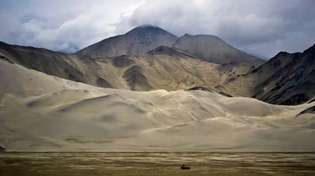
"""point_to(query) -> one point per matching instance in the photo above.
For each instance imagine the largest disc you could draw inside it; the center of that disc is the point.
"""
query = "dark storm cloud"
(259, 27)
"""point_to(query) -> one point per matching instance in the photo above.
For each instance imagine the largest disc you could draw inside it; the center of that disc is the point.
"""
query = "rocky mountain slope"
(214, 49)
(161, 68)
(284, 79)
(40, 112)
(187, 62)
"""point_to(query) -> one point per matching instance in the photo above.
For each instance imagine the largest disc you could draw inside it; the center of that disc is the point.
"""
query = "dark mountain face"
(214, 49)
(292, 82)
(137, 41)
(43, 60)
(287, 79)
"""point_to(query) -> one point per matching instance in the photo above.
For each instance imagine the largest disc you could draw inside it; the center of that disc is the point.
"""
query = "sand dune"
(39, 112)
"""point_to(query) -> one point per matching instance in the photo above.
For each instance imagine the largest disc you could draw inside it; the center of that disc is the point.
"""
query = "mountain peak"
(137, 41)
(310, 50)
(147, 26)
(145, 38)
(151, 29)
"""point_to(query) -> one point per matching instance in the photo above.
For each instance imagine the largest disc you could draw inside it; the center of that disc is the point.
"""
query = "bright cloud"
(259, 27)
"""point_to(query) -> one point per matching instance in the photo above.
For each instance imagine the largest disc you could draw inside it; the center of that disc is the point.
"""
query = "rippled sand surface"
(101, 164)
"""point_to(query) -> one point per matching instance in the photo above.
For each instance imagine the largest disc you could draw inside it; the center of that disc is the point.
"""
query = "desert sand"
(39, 112)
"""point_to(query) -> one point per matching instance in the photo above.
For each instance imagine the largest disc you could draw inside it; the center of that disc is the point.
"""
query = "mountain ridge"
(145, 72)
(143, 39)
(213, 49)
(287, 78)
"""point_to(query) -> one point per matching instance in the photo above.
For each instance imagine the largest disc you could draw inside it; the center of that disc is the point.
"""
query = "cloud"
(60, 25)
(259, 27)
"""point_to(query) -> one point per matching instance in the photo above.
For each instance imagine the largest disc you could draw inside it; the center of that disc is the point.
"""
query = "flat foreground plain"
(140, 164)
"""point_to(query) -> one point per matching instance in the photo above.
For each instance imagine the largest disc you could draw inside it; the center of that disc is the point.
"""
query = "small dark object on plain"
(2, 148)
(184, 167)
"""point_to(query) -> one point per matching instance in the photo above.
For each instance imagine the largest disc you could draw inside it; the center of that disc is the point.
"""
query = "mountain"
(50, 62)
(161, 68)
(213, 49)
(143, 39)
(44, 113)
(285, 79)
(137, 41)
(52, 101)
(294, 83)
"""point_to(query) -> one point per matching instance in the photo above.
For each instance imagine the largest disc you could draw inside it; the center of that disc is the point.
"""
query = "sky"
(260, 27)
